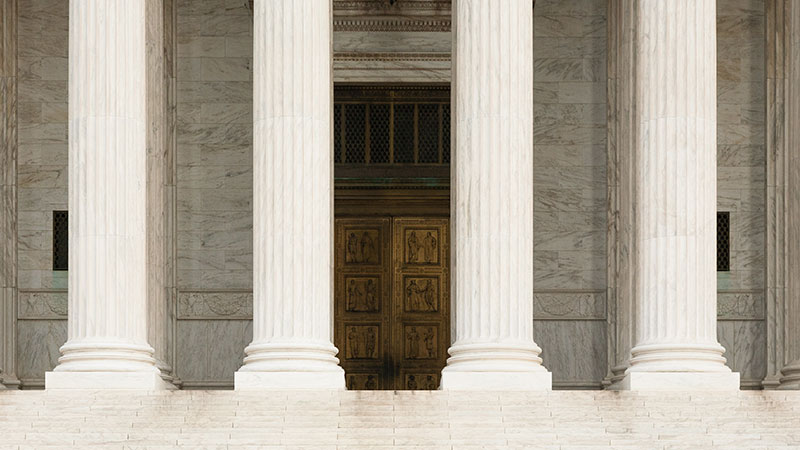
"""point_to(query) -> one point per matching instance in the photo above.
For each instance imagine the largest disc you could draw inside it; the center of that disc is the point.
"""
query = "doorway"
(392, 235)
(392, 301)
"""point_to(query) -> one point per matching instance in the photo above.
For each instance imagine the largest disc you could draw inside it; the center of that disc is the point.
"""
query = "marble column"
(158, 292)
(676, 343)
(8, 193)
(292, 200)
(790, 373)
(107, 323)
(492, 199)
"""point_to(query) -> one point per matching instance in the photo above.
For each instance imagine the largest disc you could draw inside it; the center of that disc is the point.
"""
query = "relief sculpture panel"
(421, 294)
(421, 342)
(421, 246)
(417, 381)
(362, 342)
(362, 247)
(363, 381)
(363, 294)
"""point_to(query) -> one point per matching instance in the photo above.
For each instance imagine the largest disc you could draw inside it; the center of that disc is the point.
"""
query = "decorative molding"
(215, 305)
(391, 57)
(391, 24)
(38, 305)
(569, 305)
(392, 7)
(740, 305)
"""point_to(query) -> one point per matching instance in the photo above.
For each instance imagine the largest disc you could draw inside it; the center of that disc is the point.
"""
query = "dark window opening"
(60, 240)
(392, 126)
(723, 241)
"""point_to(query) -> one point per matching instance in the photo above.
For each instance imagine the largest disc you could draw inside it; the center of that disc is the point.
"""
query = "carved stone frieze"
(393, 24)
(392, 15)
(392, 7)
(569, 305)
(215, 305)
(391, 57)
(740, 305)
(42, 305)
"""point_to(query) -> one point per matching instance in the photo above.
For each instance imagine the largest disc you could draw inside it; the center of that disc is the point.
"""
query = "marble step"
(421, 420)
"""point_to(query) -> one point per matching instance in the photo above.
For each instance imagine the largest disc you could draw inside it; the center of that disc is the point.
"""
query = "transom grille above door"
(391, 125)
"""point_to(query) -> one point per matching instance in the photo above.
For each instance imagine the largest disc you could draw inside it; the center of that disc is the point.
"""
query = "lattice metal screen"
(392, 126)
(60, 240)
(723, 241)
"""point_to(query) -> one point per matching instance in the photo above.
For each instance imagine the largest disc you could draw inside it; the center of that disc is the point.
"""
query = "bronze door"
(392, 301)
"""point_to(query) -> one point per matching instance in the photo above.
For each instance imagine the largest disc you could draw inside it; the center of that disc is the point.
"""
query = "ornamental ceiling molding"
(390, 56)
(392, 15)
(356, 24)
(390, 7)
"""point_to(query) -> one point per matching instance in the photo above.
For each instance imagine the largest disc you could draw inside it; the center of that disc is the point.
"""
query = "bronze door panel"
(421, 318)
(362, 290)
(392, 301)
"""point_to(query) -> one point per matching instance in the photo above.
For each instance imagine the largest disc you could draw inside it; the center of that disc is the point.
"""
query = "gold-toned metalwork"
(392, 303)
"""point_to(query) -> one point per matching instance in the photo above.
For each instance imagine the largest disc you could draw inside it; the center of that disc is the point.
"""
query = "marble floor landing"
(227, 420)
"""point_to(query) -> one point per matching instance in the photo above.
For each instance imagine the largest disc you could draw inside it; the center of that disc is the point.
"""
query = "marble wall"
(569, 217)
(214, 188)
(741, 181)
(42, 181)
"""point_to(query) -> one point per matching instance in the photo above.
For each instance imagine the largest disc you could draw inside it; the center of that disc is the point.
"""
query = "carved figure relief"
(421, 294)
(422, 246)
(362, 342)
(420, 342)
(362, 247)
(362, 294)
(427, 381)
(362, 381)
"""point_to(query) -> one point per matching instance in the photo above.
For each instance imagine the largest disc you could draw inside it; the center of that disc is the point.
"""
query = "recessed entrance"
(392, 235)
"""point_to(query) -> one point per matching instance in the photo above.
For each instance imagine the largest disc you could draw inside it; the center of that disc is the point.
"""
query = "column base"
(290, 365)
(678, 381)
(790, 379)
(288, 380)
(147, 381)
(495, 366)
(496, 381)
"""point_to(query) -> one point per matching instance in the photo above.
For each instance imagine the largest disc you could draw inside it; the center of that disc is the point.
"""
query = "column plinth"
(107, 318)
(492, 200)
(292, 200)
(675, 201)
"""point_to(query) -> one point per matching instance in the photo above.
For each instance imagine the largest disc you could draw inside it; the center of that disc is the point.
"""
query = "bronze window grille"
(405, 125)
(723, 241)
(60, 240)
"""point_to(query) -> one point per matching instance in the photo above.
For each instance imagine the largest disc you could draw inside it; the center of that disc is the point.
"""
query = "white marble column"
(492, 199)
(107, 345)
(675, 168)
(292, 200)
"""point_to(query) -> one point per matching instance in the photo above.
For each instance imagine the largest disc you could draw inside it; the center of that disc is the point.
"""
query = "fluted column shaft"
(292, 199)
(492, 206)
(107, 320)
(675, 207)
